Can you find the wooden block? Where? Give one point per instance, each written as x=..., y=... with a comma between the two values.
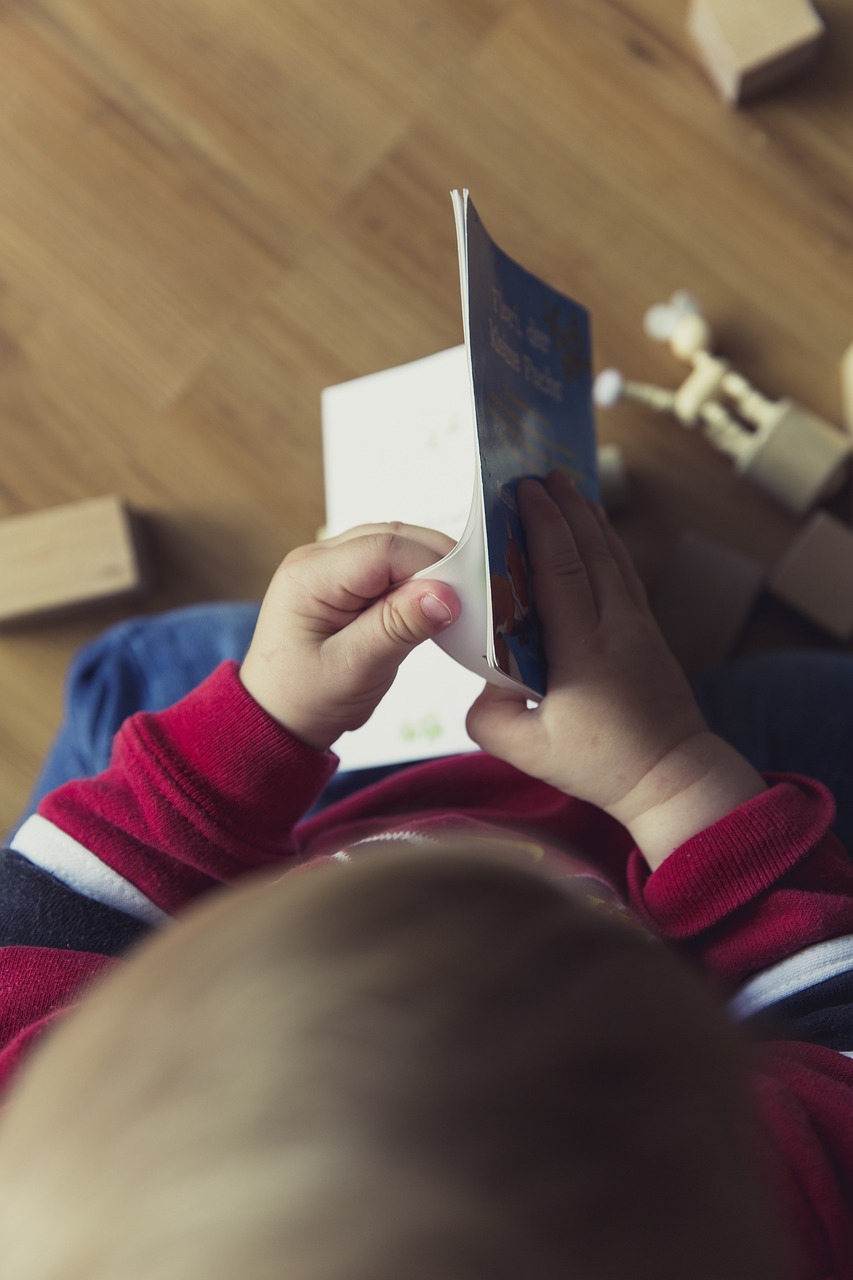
x=67, y=557
x=796, y=457
x=703, y=599
x=750, y=46
x=815, y=575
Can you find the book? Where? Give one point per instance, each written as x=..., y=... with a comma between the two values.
x=443, y=442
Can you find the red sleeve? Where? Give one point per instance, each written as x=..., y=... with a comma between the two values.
x=805, y=1099
x=37, y=985
x=763, y=900
x=195, y=795
x=765, y=881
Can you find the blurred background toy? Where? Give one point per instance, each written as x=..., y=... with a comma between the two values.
x=750, y=46
x=69, y=557
x=784, y=449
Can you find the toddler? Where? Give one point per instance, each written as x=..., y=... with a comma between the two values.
x=469, y=1020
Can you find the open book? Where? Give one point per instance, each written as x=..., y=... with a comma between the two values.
x=414, y=443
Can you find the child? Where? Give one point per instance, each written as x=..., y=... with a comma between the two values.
x=445, y=1057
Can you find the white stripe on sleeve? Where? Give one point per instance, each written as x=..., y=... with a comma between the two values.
x=791, y=976
x=46, y=846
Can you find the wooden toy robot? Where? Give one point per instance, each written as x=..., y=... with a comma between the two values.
x=783, y=448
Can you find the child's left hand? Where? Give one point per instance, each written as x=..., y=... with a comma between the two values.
x=334, y=627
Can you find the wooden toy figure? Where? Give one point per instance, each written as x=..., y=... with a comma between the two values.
x=783, y=448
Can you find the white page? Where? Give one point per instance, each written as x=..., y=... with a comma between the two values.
x=400, y=445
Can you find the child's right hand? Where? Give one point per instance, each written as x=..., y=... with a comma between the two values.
x=336, y=622
x=619, y=726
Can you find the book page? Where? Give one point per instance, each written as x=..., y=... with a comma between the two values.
x=399, y=445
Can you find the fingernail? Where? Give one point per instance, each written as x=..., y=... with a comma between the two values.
x=435, y=610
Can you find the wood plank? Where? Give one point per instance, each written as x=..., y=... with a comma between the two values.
x=276, y=111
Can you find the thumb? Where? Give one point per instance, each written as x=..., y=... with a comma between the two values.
x=403, y=619
x=417, y=611
x=499, y=722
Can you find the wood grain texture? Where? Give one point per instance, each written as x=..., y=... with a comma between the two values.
x=208, y=212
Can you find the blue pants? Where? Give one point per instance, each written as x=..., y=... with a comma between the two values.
x=146, y=664
x=790, y=711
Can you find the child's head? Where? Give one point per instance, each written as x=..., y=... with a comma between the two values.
x=430, y=1065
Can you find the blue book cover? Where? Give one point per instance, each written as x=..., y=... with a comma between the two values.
x=530, y=366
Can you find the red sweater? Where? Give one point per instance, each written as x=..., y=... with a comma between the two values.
x=213, y=788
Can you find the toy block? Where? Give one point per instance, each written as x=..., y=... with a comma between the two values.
x=703, y=599
x=612, y=477
x=750, y=46
x=796, y=457
x=67, y=556
x=847, y=388
x=815, y=575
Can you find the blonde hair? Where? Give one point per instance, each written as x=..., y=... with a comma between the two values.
x=435, y=1065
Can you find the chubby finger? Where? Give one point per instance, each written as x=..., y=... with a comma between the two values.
x=378, y=640
x=562, y=589
x=346, y=574
x=499, y=722
x=596, y=549
x=577, y=512
x=434, y=539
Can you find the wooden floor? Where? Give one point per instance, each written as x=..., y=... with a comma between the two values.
x=210, y=210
